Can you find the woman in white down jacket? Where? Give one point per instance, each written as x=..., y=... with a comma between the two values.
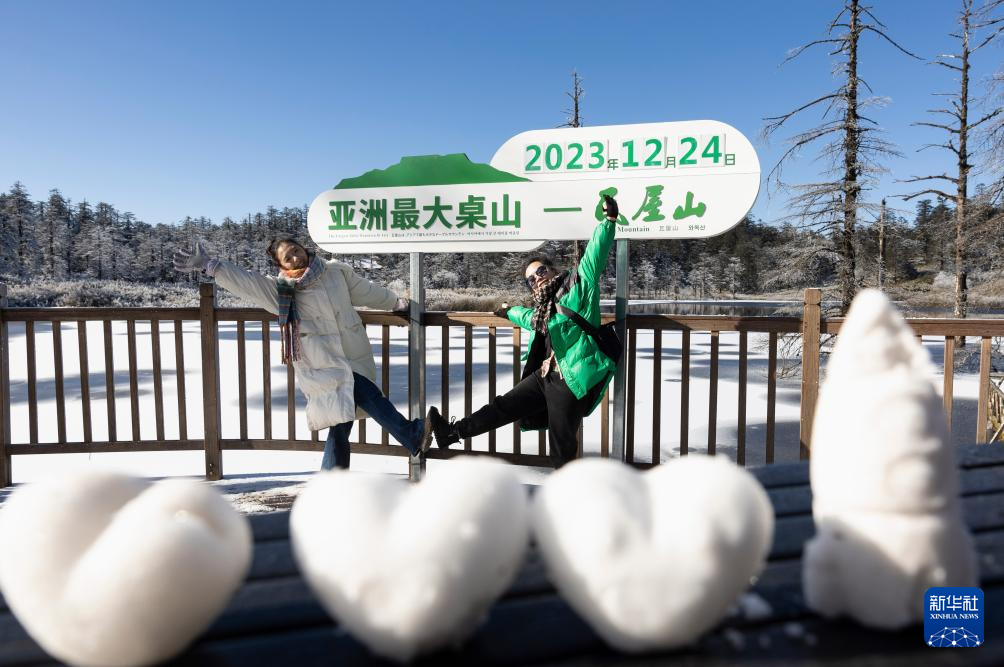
x=322, y=337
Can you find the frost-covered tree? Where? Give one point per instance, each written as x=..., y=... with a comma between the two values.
x=8, y=240
x=124, y=230
x=889, y=249
x=702, y=277
x=979, y=26
x=100, y=238
x=674, y=279
x=986, y=231
x=54, y=235
x=643, y=277
x=933, y=230
x=101, y=244
x=444, y=278
x=229, y=242
x=20, y=218
x=152, y=260
x=733, y=274
x=800, y=259
x=847, y=140
x=80, y=252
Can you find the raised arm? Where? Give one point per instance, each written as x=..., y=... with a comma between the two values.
x=258, y=289
x=254, y=287
x=362, y=292
x=594, y=257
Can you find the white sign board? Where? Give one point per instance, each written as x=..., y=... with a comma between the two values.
x=688, y=179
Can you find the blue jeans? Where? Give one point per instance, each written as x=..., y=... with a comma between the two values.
x=368, y=397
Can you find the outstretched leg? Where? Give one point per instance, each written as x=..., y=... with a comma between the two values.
x=368, y=397
x=523, y=400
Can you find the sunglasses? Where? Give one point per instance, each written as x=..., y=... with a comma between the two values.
x=531, y=280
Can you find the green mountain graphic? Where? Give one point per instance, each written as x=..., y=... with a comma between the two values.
x=450, y=169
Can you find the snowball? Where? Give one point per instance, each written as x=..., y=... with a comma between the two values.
x=644, y=574
x=883, y=475
x=105, y=569
x=411, y=568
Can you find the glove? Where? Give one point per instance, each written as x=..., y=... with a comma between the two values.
x=502, y=311
x=610, y=208
x=197, y=260
x=402, y=305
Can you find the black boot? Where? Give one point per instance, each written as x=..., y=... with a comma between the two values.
x=446, y=432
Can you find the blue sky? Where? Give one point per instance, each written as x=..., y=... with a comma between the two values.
x=169, y=109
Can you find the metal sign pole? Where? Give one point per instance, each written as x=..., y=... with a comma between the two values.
x=620, y=377
x=416, y=355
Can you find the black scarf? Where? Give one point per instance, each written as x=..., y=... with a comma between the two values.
x=543, y=302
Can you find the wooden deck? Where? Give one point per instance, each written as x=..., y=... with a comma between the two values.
x=275, y=620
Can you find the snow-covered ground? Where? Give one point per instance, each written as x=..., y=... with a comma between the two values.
x=240, y=463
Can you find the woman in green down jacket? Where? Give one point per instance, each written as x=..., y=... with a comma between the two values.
x=565, y=373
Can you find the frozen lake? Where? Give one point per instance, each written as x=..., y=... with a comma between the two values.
x=156, y=464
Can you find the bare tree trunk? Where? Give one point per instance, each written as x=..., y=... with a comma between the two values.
x=21, y=243
x=974, y=21
x=575, y=120
x=961, y=292
x=850, y=141
x=881, y=247
x=851, y=187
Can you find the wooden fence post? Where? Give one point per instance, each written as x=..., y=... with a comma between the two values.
x=810, y=368
x=210, y=380
x=982, y=430
x=5, y=432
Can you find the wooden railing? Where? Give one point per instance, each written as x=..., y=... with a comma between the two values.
x=944, y=330
x=525, y=448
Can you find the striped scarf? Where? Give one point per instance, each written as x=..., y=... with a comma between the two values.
x=289, y=315
x=543, y=302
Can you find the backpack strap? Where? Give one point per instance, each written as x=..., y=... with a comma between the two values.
x=579, y=320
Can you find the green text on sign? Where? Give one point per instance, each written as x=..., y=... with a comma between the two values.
x=641, y=153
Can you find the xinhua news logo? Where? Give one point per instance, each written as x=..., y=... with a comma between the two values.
x=953, y=617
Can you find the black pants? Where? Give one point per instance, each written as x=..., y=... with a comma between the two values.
x=535, y=395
